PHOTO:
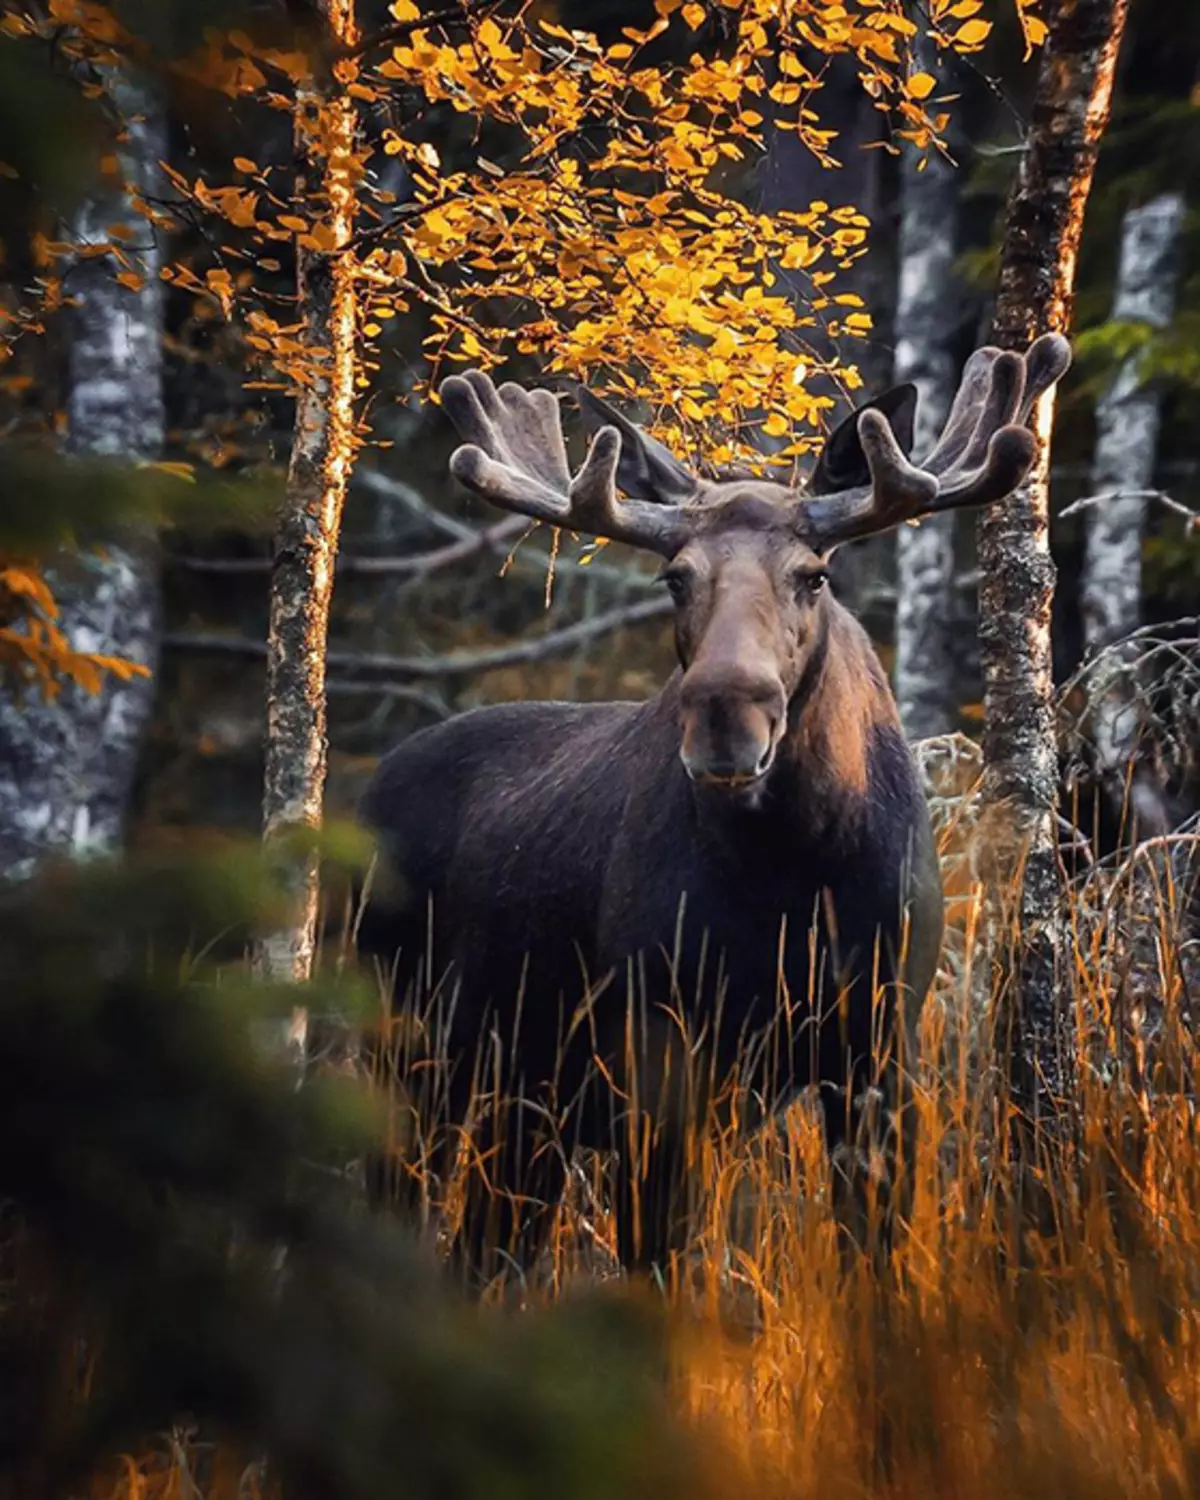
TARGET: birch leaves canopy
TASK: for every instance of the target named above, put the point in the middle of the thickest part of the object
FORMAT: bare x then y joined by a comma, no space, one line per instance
613,241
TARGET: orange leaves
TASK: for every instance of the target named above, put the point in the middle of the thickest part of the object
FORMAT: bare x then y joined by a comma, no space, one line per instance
220,283
1033,27
621,260
26,583
972,34
32,646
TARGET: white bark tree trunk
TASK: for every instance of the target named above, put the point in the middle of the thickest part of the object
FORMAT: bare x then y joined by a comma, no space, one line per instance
925,320
306,537
1016,591
1127,422
67,766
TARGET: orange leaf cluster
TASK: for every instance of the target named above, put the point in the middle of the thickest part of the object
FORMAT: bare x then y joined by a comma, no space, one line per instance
34,649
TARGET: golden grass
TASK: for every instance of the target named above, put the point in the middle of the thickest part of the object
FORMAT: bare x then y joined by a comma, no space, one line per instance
1035,1326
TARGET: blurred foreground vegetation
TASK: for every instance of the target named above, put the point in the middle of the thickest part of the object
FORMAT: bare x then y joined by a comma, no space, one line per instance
181,1243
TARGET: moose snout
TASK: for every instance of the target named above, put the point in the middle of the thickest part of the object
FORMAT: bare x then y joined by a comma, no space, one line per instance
731,726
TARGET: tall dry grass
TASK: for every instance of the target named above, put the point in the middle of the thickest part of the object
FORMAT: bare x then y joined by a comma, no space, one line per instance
1034,1326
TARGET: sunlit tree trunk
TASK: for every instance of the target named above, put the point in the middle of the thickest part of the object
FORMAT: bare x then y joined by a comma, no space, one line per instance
1037,276
306,538
67,766
1127,422
926,315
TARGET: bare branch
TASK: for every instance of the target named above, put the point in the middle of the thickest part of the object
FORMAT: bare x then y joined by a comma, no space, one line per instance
391,488
418,564
460,664
431,702
1085,502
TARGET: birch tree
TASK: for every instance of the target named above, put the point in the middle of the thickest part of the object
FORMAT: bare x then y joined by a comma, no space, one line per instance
1127,422
306,538
1037,276
68,759
925,326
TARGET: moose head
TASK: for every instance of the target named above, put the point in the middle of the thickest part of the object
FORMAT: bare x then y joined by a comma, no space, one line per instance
747,561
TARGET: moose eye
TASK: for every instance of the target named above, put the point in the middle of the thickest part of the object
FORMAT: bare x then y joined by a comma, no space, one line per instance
811,583
678,585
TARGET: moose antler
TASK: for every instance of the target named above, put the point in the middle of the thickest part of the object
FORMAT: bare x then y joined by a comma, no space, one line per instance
983,454
515,456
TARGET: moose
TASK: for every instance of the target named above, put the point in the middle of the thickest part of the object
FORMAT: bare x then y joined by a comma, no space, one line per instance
594,889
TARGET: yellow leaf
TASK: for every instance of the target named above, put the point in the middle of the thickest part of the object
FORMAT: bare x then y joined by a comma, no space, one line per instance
972,33
119,667
1036,30
178,470
776,425
293,222
404,10
921,85
322,237
693,15
30,585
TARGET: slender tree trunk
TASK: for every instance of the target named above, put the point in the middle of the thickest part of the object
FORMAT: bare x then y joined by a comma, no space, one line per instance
67,766
926,311
1037,276
1127,420
306,537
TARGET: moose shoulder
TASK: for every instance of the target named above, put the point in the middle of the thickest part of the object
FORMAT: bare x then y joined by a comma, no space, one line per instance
749,851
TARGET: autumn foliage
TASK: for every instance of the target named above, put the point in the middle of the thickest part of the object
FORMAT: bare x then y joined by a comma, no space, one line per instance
612,241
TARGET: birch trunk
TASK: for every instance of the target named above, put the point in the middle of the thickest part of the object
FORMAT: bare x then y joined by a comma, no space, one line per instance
925,324
67,766
1127,421
1037,276
306,537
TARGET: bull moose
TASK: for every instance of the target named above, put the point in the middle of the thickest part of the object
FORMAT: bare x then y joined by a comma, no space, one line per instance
585,886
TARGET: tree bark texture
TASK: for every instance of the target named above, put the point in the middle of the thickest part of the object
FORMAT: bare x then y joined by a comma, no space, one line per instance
67,765
926,606
306,537
1127,422
1037,276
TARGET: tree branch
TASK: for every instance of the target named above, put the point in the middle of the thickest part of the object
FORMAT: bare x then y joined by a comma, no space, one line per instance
401,31
1085,502
459,664
419,564
431,702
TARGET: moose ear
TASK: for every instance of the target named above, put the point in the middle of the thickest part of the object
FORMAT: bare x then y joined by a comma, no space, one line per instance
646,470
843,464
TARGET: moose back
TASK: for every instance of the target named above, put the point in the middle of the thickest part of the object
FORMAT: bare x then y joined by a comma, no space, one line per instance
611,907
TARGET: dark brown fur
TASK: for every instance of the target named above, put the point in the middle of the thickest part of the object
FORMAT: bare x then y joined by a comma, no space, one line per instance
546,846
